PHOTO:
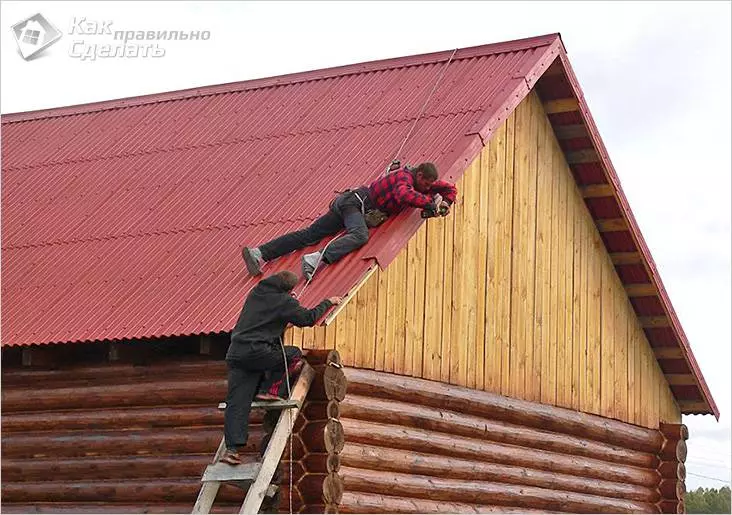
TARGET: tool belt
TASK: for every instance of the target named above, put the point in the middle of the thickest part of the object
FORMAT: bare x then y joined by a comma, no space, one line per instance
372,217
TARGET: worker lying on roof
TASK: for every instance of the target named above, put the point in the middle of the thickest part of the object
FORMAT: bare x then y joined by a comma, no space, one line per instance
255,359
357,210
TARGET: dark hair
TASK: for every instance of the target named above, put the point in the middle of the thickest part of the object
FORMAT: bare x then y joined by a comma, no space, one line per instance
289,279
428,170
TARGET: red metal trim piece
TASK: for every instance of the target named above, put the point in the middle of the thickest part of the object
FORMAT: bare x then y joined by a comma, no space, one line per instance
409,222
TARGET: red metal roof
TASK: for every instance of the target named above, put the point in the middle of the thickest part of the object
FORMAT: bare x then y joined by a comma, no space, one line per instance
125,219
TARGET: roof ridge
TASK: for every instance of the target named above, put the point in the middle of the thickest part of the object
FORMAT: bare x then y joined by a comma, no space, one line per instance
283,80
233,142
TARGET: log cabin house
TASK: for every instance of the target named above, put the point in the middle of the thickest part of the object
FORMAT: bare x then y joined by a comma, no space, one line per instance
520,354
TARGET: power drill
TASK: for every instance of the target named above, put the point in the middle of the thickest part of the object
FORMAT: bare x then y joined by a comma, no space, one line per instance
432,210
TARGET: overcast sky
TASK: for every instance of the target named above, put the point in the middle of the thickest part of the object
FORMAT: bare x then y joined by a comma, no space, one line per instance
656,77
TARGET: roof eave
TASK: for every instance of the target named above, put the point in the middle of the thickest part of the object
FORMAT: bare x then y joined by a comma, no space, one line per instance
640,243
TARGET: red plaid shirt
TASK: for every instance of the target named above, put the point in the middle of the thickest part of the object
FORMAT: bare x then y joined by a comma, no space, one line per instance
395,191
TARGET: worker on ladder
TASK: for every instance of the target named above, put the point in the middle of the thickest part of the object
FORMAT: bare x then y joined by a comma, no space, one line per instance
255,358
356,211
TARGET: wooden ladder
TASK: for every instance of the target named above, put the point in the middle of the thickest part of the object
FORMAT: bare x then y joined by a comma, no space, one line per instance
256,476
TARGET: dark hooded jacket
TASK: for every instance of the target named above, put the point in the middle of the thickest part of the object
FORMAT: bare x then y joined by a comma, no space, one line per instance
269,308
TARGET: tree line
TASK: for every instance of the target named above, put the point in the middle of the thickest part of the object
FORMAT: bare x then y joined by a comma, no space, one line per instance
708,500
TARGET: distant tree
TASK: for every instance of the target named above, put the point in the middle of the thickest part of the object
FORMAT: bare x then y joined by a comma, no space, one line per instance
709,500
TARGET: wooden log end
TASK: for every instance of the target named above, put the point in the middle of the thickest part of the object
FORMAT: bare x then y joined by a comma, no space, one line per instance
670,507
674,431
672,489
322,356
673,450
333,489
681,472
681,451
334,409
672,470
668,469
335,383
333,464
334,357
334,436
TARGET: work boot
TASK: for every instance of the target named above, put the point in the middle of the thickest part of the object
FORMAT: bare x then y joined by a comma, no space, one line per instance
253,260
267,397
309,262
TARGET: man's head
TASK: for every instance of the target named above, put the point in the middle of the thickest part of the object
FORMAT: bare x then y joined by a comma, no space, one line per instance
424,175
289,279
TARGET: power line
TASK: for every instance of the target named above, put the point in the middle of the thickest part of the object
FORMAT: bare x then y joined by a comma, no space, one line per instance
726,481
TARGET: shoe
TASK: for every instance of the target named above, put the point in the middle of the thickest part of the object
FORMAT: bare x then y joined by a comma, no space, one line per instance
297,368
267,397
231,457
253,260
308,263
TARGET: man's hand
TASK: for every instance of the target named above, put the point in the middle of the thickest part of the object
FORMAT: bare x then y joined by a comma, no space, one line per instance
335,300
443,209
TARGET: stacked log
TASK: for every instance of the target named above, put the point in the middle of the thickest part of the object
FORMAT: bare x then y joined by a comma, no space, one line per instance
417,446
114,437
318,488
129,438
671,468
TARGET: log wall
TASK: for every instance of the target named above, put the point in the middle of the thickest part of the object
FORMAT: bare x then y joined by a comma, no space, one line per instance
417,446
513,293
119,438
122,438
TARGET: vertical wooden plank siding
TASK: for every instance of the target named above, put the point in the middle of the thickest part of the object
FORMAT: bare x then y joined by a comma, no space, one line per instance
413,323
564,311
513,293
594,363
470,291
542,312
366,332
607,342
504,257
420,295
447,301
549,385
621,350
631,365
481,323
382,314
500,199
576,303
399,313
519,288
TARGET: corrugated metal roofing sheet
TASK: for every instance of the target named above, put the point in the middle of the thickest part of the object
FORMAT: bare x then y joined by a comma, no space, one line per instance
125,219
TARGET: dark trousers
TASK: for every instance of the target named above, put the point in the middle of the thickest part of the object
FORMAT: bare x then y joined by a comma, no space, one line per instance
253,366
345,212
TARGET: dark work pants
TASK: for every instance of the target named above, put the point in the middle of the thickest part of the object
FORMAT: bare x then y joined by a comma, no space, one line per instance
344,212
253,366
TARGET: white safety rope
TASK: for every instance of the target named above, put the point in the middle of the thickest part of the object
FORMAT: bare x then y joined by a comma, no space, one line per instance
396,157
421,112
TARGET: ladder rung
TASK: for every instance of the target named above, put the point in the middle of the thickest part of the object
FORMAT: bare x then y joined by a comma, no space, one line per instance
286,404
225,472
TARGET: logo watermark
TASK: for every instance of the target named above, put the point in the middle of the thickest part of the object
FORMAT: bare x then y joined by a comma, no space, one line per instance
97,39
126,43
34,34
